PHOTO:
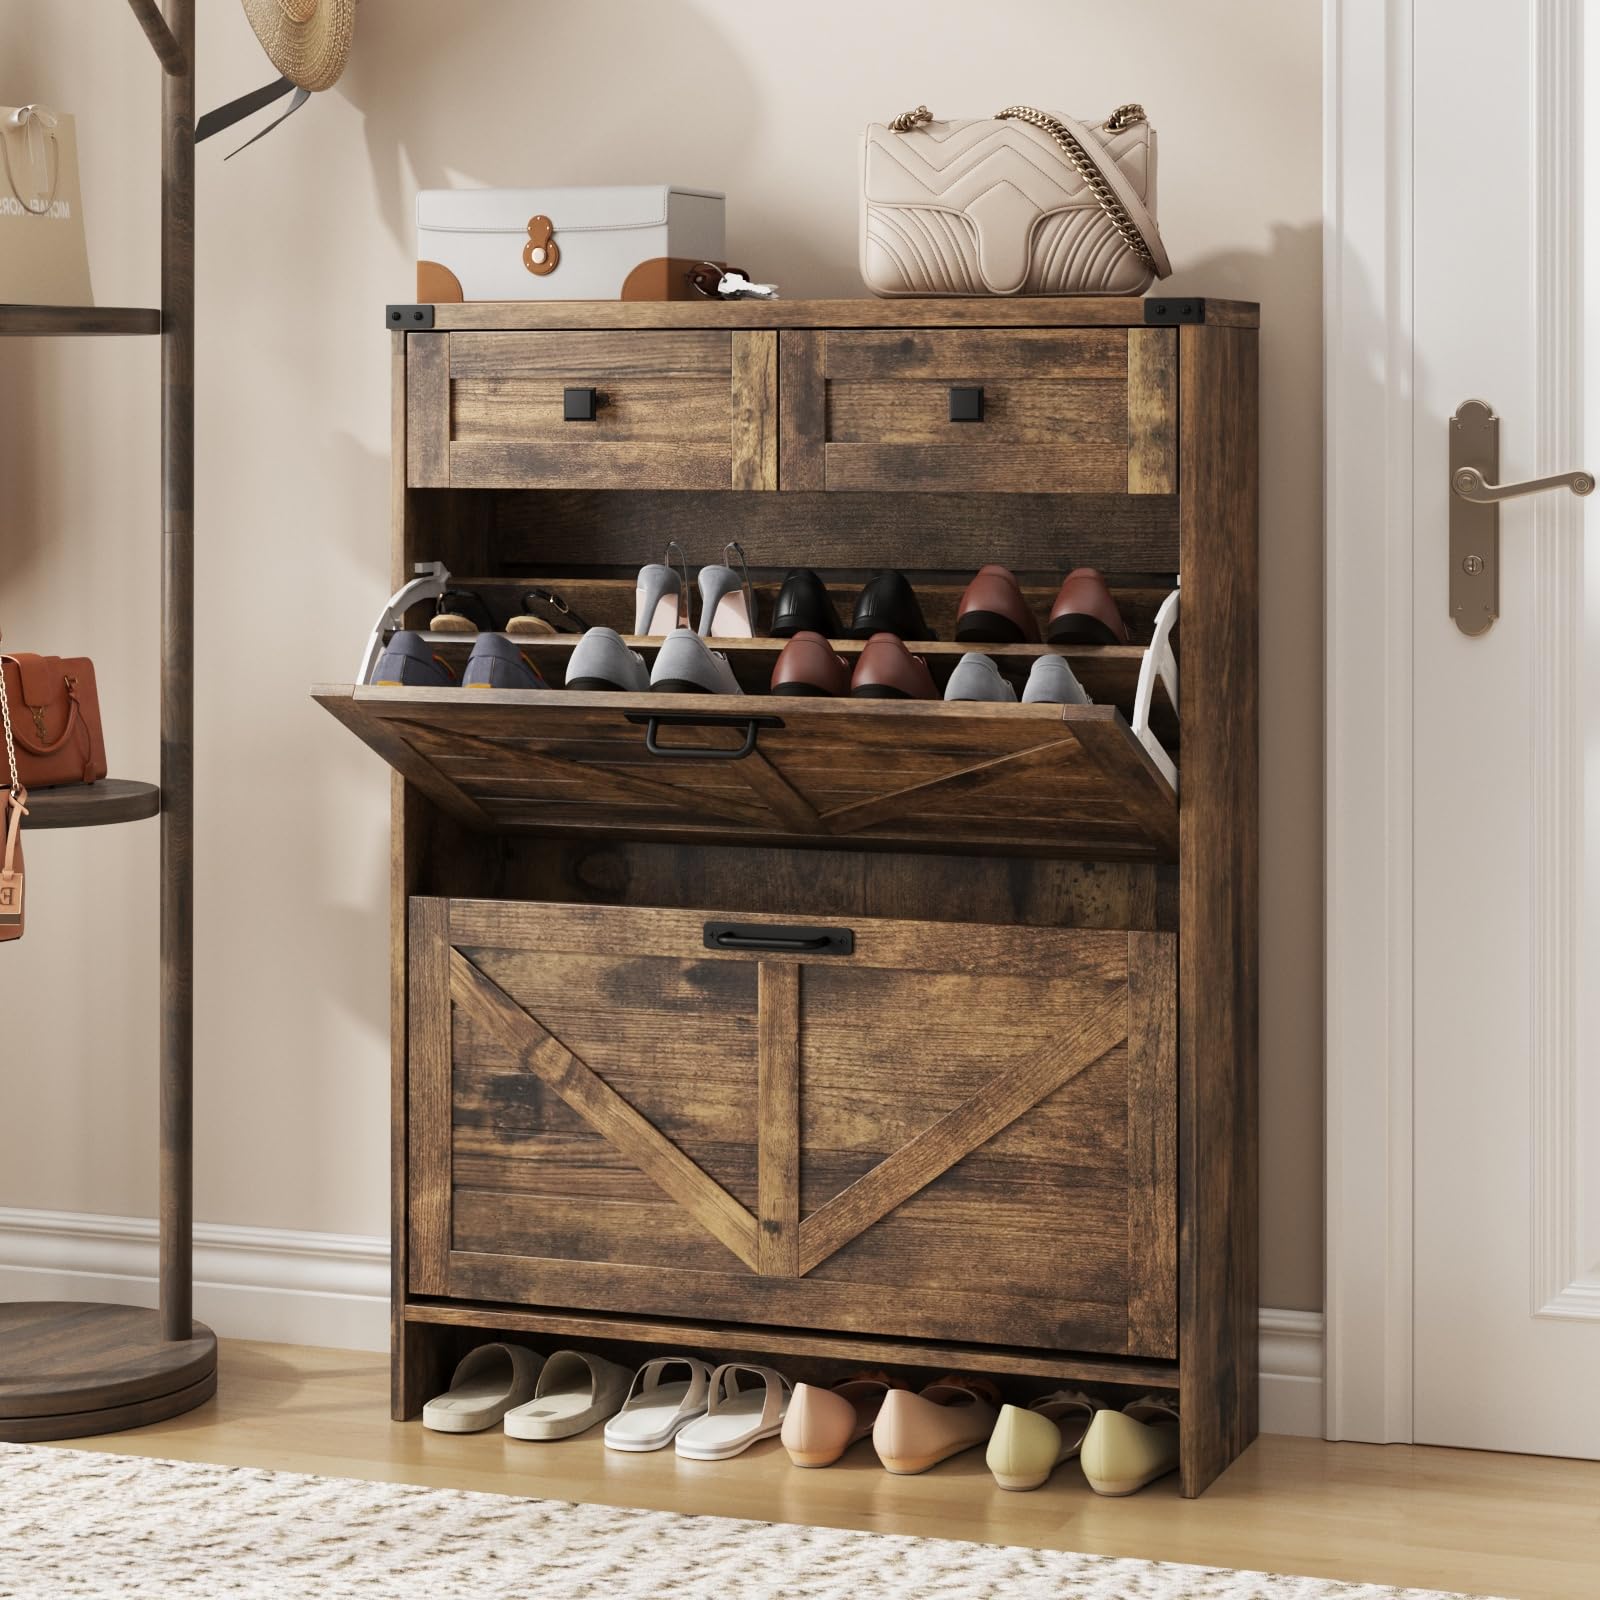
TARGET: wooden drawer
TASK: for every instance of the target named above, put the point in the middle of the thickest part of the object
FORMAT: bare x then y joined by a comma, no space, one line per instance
1063,410
952,1131
1047,779
680,410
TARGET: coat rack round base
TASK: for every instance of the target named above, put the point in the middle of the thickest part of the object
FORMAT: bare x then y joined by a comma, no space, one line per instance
71,1368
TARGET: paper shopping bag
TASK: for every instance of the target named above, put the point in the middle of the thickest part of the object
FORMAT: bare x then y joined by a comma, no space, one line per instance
43,258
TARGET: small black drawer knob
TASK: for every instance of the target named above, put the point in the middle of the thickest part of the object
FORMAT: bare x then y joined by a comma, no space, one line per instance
966,404
580,405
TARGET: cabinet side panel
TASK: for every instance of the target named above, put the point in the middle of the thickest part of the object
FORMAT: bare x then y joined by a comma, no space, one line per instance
1218,969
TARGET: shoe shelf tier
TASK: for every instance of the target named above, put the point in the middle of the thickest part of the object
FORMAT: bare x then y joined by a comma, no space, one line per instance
847,1031
1110,673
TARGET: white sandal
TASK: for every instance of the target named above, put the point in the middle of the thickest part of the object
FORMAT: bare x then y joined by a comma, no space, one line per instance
736,1416
654,1411
490,1380
576,1390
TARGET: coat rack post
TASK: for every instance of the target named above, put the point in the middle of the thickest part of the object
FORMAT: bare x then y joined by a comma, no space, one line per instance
177,682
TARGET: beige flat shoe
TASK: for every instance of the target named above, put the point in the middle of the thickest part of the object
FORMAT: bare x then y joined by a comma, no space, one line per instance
491,1380
1027,1446
916,1431
821,1424
1124,1450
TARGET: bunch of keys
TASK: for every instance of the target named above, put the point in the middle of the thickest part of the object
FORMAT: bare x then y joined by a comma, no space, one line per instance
733,284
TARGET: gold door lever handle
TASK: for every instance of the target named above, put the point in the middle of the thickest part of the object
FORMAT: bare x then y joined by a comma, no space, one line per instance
1470,484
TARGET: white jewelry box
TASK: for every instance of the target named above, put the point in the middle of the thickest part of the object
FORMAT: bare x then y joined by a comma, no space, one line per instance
616,242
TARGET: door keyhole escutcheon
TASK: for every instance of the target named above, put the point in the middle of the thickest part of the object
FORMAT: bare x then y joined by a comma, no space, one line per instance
1475,513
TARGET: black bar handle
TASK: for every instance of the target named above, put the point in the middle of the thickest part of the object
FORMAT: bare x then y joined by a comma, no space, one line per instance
652,735
696,753
782,939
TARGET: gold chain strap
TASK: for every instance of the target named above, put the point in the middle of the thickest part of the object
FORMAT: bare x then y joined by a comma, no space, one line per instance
11,746
1088,169
1083,163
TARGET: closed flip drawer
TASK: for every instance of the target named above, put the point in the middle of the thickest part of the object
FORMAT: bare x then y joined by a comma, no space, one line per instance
1061,410
559,410
952,1131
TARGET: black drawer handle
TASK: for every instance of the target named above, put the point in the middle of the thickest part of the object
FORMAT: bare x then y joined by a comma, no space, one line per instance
652,735
966,403
580,405
782,939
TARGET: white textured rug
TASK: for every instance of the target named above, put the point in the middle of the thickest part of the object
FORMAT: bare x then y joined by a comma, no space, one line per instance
93,1527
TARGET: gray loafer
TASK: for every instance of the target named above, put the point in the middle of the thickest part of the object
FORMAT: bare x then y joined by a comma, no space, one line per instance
685,664
600,660
977,678
1053,682
497,663
408,660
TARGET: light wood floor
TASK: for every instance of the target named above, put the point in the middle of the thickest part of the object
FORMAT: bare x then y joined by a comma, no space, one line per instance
1517,1526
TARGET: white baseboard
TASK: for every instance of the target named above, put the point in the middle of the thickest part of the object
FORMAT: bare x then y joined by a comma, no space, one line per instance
332,1289
1291,1372
327,1289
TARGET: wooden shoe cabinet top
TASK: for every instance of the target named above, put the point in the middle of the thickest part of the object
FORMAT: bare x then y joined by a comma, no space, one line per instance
842,1033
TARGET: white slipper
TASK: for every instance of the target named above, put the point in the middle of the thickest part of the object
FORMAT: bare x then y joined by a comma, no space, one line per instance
576,1390
489,1382
654,1411
737,1414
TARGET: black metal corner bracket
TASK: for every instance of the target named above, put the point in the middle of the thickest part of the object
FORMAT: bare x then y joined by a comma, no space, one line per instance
409,319
1167,313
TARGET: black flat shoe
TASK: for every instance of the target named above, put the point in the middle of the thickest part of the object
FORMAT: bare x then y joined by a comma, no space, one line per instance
804,606
544,612
462,611
888,604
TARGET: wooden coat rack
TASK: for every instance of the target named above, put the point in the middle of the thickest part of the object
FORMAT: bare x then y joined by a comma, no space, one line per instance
68,1369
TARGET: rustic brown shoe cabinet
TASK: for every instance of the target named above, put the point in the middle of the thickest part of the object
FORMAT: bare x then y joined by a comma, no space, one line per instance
841,1033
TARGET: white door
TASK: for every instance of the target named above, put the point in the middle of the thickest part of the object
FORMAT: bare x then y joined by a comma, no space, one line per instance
1506,820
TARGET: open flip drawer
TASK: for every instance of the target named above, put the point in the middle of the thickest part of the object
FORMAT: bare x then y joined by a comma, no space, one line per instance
1070,780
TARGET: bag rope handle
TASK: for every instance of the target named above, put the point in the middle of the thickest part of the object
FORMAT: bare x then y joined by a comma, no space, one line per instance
28,118
1083,162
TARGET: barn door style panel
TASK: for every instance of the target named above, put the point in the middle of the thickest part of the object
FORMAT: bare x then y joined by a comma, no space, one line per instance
937,1130
724,768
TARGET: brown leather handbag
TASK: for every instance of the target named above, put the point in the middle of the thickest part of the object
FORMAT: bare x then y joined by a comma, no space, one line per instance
55,720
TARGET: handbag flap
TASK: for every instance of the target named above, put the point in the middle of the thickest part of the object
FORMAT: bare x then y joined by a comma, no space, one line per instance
41,679
1001,176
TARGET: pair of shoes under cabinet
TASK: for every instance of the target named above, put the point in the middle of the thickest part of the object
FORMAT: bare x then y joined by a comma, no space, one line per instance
844,1033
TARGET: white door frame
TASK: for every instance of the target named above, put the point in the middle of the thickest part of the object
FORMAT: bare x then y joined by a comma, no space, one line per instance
1369,470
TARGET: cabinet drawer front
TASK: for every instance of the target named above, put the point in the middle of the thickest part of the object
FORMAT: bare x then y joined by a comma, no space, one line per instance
673,410
1085,410
951,1131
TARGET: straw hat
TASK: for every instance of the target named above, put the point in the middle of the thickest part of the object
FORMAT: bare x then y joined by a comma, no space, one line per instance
308,41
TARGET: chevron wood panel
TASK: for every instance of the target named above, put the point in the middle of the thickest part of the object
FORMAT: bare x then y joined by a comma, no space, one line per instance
636,1115
1069,780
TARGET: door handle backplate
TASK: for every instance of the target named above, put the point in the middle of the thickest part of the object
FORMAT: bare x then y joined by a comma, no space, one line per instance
1475,513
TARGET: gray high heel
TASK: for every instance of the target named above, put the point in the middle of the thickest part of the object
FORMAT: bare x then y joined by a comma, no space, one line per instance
727,602
661,600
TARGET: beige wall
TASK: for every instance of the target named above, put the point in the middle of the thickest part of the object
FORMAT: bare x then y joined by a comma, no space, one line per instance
302,240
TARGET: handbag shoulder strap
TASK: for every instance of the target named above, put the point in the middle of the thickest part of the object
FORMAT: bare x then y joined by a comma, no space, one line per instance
10,739
1128,213
1086,155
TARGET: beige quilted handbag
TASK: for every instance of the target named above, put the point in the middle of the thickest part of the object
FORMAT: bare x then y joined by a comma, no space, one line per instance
1024,202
